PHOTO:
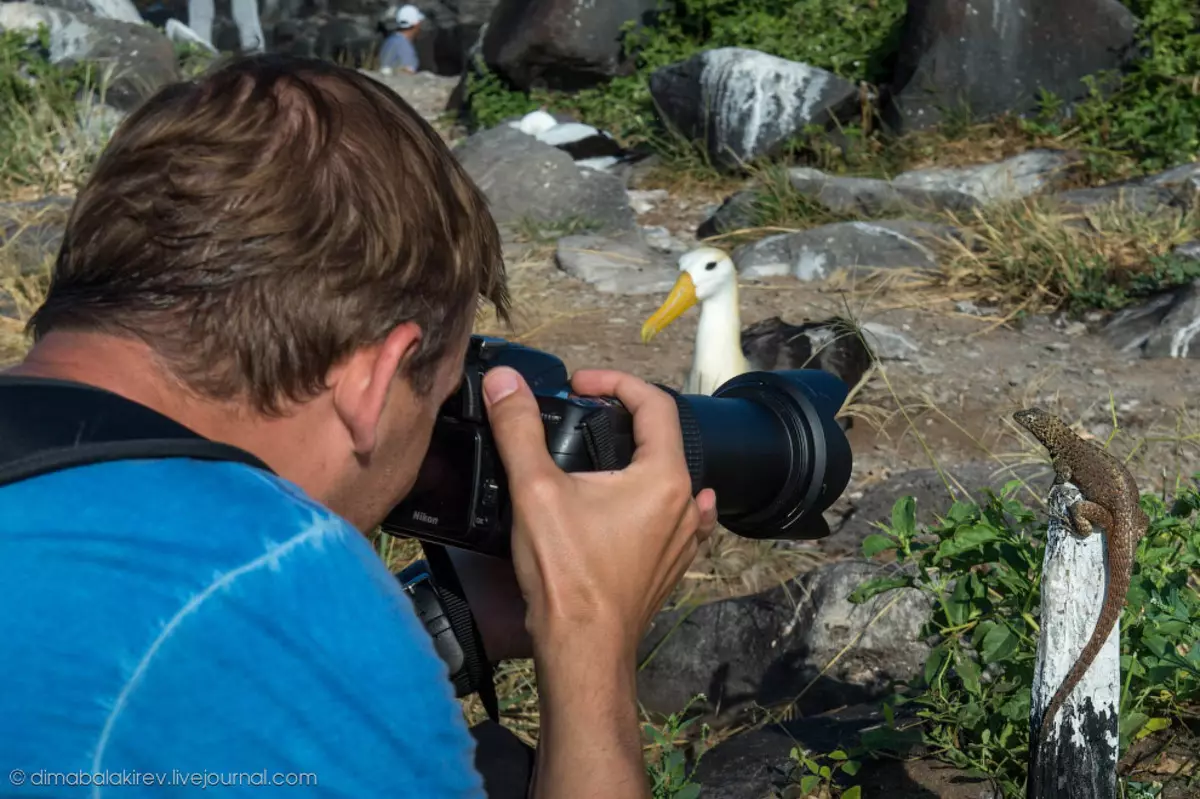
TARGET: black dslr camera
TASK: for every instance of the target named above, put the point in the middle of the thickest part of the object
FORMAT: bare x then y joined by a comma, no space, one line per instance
766,442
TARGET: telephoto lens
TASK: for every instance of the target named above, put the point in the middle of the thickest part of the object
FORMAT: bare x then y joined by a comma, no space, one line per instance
770,446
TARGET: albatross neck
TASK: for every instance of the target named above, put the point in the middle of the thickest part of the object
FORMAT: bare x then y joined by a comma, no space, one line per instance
718,355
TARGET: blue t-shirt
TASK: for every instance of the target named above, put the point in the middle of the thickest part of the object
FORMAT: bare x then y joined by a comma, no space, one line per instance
176,623
398,52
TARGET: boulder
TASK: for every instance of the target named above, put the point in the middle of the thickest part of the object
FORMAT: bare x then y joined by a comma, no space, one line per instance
965,187
995,56
1165,325
767,647
937,188
120,10
623,264
744,104
560,44
1138,199
142,59
451,29
525,178
1177,187
735,213
816,253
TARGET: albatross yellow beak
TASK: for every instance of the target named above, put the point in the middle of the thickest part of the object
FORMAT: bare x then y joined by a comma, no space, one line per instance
682,297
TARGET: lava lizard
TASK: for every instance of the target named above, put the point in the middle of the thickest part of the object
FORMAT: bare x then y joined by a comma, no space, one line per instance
1110,499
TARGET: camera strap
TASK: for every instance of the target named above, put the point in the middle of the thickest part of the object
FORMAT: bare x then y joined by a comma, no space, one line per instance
47,425
476,673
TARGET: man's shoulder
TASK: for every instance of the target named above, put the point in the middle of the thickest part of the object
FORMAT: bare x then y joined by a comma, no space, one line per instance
199,487
227,512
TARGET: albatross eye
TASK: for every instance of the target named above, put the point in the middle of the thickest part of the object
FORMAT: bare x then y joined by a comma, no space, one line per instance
711,265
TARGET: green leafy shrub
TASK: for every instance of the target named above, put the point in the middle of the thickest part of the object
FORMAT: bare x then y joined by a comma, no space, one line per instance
1153,116
667,761
981,564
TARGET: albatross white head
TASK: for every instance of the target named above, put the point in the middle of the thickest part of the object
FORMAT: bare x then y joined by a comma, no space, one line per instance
706,277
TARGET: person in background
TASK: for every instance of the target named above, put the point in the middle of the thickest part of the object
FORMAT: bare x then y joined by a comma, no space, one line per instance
398,52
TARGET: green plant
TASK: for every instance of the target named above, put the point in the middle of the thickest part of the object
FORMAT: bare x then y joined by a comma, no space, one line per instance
812,778
666,764
981,565
1150,115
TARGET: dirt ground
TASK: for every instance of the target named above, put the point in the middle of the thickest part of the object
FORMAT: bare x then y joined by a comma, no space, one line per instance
958,392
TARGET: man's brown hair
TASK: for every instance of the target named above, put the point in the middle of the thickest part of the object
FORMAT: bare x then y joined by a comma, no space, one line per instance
257,225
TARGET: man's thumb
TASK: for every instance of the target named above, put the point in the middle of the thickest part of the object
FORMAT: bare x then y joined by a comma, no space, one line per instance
516,424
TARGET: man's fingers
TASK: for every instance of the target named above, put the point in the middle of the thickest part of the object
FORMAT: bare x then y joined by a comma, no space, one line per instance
516,426
656,431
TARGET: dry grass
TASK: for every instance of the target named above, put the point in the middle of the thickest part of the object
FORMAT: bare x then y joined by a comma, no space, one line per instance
1035,256
48,147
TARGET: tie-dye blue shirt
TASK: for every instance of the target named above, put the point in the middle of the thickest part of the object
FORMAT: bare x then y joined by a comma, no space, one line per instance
173,624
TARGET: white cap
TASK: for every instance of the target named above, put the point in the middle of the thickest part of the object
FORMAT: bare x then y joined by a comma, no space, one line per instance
408,15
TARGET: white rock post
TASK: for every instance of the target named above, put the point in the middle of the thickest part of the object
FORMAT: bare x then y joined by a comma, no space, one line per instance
1079,759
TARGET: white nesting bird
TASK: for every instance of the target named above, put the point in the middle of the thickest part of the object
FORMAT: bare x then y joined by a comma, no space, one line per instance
723,350
590,147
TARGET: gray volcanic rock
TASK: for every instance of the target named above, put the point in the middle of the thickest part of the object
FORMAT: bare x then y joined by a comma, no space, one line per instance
744,103
560,44
994,55
525,178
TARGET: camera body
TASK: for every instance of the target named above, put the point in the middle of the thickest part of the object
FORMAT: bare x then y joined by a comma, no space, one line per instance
461,497
767,442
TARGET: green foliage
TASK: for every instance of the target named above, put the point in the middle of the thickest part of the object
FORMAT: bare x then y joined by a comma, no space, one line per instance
813,777
1095,285
981,565
1153,116
670,776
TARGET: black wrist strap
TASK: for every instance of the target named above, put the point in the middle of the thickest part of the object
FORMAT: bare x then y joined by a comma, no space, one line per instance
476,673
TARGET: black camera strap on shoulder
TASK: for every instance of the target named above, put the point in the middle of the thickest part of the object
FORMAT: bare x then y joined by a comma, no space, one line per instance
47,425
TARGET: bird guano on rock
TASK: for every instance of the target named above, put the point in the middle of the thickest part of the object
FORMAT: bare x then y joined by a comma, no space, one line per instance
723,350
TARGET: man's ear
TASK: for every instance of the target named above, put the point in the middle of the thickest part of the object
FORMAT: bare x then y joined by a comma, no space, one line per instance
362,382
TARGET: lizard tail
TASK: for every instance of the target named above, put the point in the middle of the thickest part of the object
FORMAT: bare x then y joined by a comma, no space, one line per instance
1109,613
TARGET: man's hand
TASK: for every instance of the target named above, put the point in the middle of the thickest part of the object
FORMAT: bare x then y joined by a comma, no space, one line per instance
596,554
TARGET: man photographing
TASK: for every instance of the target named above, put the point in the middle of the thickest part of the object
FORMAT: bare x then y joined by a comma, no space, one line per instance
282,256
